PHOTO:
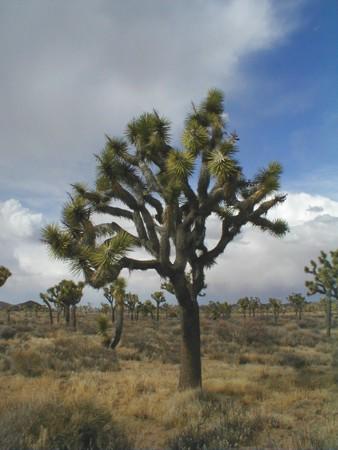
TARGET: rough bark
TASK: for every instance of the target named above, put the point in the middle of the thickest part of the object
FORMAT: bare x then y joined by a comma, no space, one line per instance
118,326
67,314
74,317
190,367
328,317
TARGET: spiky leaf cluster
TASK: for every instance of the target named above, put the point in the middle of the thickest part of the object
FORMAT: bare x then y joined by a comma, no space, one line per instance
324,275
4,275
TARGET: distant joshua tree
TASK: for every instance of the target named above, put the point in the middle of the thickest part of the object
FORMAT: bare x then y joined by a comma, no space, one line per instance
276,306
108,293
70,294
244,304
131,301
218,310
254,303
298,303
325,282
158,298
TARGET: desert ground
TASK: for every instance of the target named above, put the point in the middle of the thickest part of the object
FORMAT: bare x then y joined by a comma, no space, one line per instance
265,385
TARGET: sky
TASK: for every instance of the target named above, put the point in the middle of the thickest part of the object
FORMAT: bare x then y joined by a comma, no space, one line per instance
72,72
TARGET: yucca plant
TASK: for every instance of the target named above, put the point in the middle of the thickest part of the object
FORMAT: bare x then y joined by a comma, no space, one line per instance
167,195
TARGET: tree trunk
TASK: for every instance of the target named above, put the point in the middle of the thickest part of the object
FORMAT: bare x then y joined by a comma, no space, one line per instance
67,314
50,311
190,369
8,315
74,316
328,317
112,313
118,326
157,312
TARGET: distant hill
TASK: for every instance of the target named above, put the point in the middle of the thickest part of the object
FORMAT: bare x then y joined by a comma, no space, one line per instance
29,304
4,305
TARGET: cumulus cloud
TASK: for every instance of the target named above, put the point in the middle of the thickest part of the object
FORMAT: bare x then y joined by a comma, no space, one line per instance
22,252
76,70
259,264
255,263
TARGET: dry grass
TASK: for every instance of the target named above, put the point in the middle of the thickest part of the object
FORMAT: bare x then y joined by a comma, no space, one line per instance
265,386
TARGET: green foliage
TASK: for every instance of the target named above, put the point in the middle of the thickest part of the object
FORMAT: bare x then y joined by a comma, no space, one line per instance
102,325
324,274
298,303
4,275
218,310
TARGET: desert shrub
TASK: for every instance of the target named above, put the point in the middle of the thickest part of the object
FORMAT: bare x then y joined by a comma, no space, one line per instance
225,331
334,362
255,333
62,354
27,362
307,338
7,332
230,427
291,359
53,424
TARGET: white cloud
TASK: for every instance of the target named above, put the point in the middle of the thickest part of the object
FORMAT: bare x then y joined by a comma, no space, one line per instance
16,221
258,264
22,252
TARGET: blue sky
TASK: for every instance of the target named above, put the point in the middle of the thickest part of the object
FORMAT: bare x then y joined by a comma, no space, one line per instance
291,111
73,71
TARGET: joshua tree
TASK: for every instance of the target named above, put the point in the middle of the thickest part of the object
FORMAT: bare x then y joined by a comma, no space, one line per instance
148,309
244,304
158,298
298,303
69,295
217,310
119,293
254,303
108,293
47,301
276,306
168,195
325,282
4,275
131,301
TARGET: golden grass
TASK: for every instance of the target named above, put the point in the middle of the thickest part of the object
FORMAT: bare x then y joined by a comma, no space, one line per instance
265,395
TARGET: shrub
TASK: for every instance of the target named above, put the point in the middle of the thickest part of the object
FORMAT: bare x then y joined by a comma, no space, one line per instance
63,354
52,424
233,427
291,359
7,332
